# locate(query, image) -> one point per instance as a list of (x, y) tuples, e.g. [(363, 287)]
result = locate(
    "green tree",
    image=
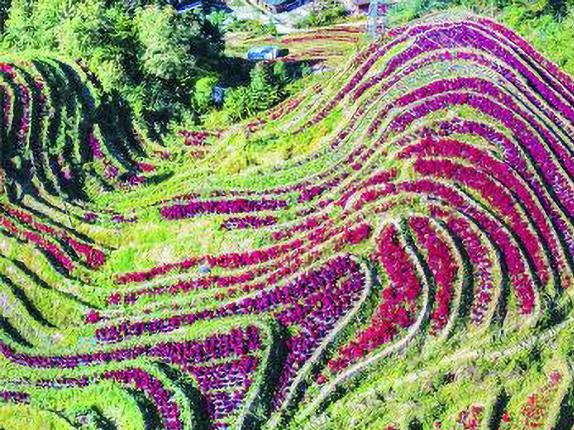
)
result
[(20, 31), (143, 49), (173, 43), (175, 51), (105, 39), (164, 46), (281, 73), (264, 93), (217, 18), (323, 12), (203, 93), (237, 103), (4, 9)]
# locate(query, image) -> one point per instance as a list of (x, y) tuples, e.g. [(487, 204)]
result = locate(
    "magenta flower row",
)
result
[(263, 302), (95, 146), (496, 197), (481, 262), (231, 260), (42, 243), (317, 316), (134, 377), (185, 286), (14, 397), (163, 398), (94, 257), (286, 108), (442, 266), (221, 207), (350, 234), (503, 171), (519, 276), (238, 342), (248, 222), (221, 403), (226, 375), (397, 307), (503, 174)]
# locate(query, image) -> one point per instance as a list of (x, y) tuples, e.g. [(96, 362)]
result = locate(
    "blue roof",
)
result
[(262, 49), (275, 2)]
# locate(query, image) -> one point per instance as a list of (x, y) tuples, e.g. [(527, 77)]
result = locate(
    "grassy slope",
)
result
[(391, 387)]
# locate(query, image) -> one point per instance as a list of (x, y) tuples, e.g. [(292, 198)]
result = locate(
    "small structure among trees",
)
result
[(276, 6), (324, 12), (266, 53)]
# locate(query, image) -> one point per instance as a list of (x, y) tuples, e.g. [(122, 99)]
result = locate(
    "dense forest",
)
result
[(143, 53)]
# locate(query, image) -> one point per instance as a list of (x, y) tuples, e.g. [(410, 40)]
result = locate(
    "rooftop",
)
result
[(275, 2), (263, 48)]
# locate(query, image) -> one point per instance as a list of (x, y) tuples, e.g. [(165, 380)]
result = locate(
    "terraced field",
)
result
[(413, 269), (329, 45)]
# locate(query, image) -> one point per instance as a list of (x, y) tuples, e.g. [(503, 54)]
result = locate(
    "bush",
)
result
[(306, 70), (237, 103), (325, 12), (280, 72), (165, 44), (254, 27), (263, 92), (203, 93), (218, 18)]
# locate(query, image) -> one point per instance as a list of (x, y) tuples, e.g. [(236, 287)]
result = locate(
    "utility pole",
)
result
[(377, 21)]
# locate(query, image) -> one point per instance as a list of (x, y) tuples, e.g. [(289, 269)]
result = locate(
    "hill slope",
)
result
[(57, 122), (414, 269)]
